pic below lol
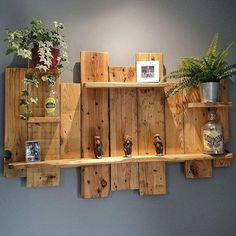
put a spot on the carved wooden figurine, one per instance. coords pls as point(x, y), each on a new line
point(158, 145)
point(98, 147)
point(127, 145)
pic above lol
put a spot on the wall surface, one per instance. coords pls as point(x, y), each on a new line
point(176, 28)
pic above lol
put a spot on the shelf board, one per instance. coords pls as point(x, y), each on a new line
point(209, 104)
point(52, 119)
point(75, 160)
point(123, 85)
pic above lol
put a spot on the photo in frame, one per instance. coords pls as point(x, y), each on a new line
point(148, 71)
point(32, 151)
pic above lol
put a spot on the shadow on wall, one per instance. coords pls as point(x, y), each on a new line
point(76, 73)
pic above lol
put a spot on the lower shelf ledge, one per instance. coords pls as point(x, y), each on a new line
point(76, 161)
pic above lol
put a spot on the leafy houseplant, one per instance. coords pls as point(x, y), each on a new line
point(45, 47)
point(37, 38)
point(211, 68)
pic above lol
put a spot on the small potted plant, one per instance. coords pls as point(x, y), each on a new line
point(205, 72)
point(45, 47)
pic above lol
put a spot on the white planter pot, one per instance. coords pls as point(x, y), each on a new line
point(209, 91)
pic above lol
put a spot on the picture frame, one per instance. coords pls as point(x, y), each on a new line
point(148, 71)
point(32, 151)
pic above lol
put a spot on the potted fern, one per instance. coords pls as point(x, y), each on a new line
point(205, 72)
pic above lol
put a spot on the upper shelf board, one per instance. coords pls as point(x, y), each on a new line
point(124, 85)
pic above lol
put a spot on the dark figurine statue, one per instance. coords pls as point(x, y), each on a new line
point(98, 147)
point(158, 145)
point(127, 145)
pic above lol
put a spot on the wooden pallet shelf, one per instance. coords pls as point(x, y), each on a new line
point(110, 103)
point(209, 105)
point(72, 162)
point(123, 85)
point(55, 119)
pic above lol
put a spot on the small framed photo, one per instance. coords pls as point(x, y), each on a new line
point(148, 71)
point(32, 151)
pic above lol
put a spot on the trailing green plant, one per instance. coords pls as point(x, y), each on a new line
point(36, 34)
point(210, 68)
point(27, 99)
point(49, 79)
point(44, 39)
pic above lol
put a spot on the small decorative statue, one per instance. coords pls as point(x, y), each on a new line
point(158, 145)
point(98, 147)
point(127, 145)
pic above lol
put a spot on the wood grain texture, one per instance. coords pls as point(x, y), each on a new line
point(174, 126)
point(123, 121)
point(143, 56)
point(95, 121)
point(123, 85)
point(221, 163)
point(43, 177)
point(198, 169)
point(15, 128)
point(194, 119)
point(81, 162)
point(152, 178)
point(48, 134)
point(223, 113)
point(42, 92)
point(10, 172)
point(70, 118)
point(151, 121)
point(95, 182)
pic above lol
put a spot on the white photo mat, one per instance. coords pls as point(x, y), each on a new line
point(148, 71)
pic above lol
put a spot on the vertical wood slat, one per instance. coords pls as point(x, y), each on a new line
point(151, 120)
point(123, 121)
point(42, 91)
point(48, 134)
point(43, 177)
point(152, 178)
point(15, 128)
point(174, 128)
point(143, 56)
point(194, 119)
point(94, 67)
point(70, 119)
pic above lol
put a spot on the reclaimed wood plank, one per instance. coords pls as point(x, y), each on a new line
point(174, 127)
point(15, 128)
point(123, 121)
point(97, 178)
point(95, 121)
point(43, 177)
point(194, 119)
point(71, 162)
point(48, 134)
point(152, 178)
point(198, 169)
point(151, 121)
point(124, 85)
point(70, 118)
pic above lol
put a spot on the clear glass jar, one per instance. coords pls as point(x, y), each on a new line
point(51, 102)
point(212, 135)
